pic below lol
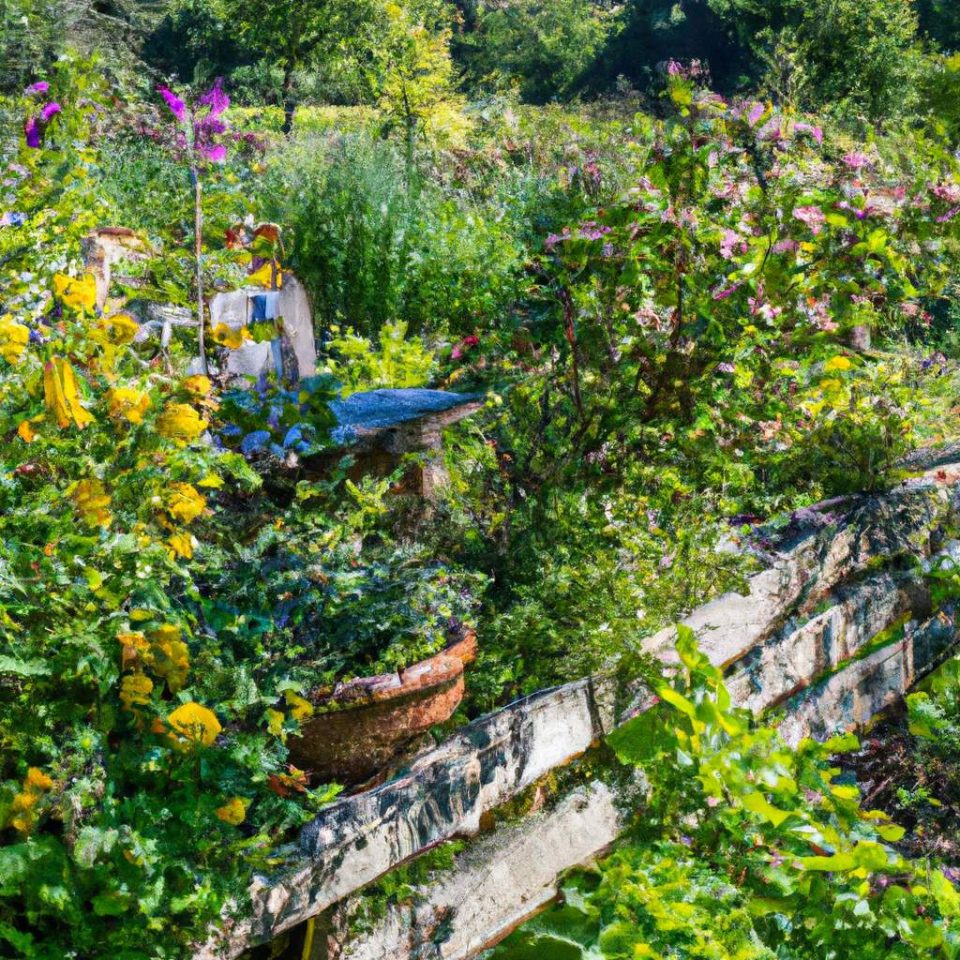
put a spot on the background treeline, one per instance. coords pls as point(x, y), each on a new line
point(862, 61)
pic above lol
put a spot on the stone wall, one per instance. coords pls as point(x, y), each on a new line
point(835, 627)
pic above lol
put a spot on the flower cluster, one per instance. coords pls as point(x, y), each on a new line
point(36, 125)
point(204, 122)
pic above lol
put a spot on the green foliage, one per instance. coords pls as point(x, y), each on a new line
point(375, 249)
point(394, 362)
point(853, 60)
point(744, 848)
point(545, 49)
point(324, 608)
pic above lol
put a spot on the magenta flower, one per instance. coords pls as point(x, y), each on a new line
point(31, 130)
point(215, 98)
point(177, 107)
point(812, 216)
point(49, 112)
point(41, 86)
point(215, 152)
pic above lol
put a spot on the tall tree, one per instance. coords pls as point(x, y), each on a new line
point(295, 34)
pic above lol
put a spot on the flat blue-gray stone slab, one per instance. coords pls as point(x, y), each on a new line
point(374, 410)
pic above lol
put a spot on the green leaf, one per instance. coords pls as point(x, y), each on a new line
point(758, 803)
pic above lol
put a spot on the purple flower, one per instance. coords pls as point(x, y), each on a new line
point(756, 112)
point(726, 368)
point(209, 126)
point(949, 215)
point(591, 230)
point(31, 130)
point(815, 132)
point(215, 98)
point(177, 107)
point(812, 216)
point(41, 86)
point(50, 111)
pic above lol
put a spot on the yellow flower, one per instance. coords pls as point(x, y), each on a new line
point(185, 502)
point(119, 328)
point(196, 723)
point(168, 656)
point(212, 481)
point(264, 276)
point(79, 294)
point(134, 646)
point(181, 423)
point(128, 403)
point(37, 780)
point(234, 811)
point(25, 801)
point(275, 722)
point(93, 502)
point(135, 689)
point(181, 545)
point(838, 363)
point(60, 393)
point(26, 432)
point(300, 709)
point(228, 336)
point(13, 338)
point(198, 385)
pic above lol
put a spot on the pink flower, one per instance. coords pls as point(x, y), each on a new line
point(41, 86)
point(855, 161)
point(727, 292)
point(812, 216)
point(732, 243)
point(947, 191)
point(786, 246)
point(177, 107)
point(815, 132)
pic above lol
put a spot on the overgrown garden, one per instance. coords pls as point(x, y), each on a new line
point(689, 313)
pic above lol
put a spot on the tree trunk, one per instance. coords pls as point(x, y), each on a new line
point(289, 101)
